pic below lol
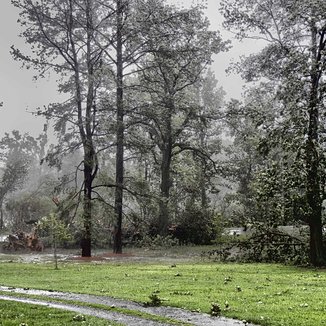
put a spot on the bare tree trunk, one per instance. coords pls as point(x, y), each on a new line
point(164, 214)
point(202, 184)
point(86, 242)
point(54, 247)
point(1, 216)
point(86, 133)
point(314, 198)
point(166, 149)
point(316, 253)
point(117, 242)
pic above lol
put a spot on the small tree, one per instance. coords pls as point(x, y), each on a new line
point(57, 230)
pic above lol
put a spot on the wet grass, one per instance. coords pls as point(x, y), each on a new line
point(265, 294)
point(124, 311)
point(21, 314)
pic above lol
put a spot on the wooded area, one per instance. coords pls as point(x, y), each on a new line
point(147, 145)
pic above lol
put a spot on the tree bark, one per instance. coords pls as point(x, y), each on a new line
point(1, 215)
point(202, 183)
point(166, 151)
point(164, 214)
point(86, 242)
point(316, 253)
point(86, 133)
point(117, 241)
point(314, 198)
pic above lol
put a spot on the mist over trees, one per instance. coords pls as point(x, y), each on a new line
point(147, 145)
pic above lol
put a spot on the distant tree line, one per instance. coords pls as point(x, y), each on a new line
point(147, 145)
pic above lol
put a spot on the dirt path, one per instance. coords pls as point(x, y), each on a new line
point(193, 318)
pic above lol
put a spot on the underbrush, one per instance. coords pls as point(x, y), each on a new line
point(266, 246)
point(156, 242)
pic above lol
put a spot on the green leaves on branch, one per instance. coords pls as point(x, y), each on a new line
point(55, 228)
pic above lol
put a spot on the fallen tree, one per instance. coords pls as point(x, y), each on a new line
point(22, 240)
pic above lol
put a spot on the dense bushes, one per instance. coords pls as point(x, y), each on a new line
point(197, 226)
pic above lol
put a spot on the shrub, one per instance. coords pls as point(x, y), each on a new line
point(197, 226)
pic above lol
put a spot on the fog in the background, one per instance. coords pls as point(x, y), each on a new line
point(21, 95)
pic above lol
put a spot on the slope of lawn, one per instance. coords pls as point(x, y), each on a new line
point(265, 294)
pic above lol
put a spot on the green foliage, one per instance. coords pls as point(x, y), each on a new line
point(57, 230)
point(264, 244)
point(54, 227)
point(13, 176)
point(275, 197)
point(20, 155)
point(294, 134)
point(175, 109)
point(157, 241)
point(22, 145)
point(15, 173)
point(197, 226)
point(171, 48)
point(215, 310)
point(154, 301)
point(274, 246)
point(27, 208)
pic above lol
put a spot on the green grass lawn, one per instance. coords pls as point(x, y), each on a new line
point(265, 294)
point(19, 314)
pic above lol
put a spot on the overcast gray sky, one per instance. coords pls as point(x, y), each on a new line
point(21, 95)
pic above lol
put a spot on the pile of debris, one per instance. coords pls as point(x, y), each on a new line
point(22, 240)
